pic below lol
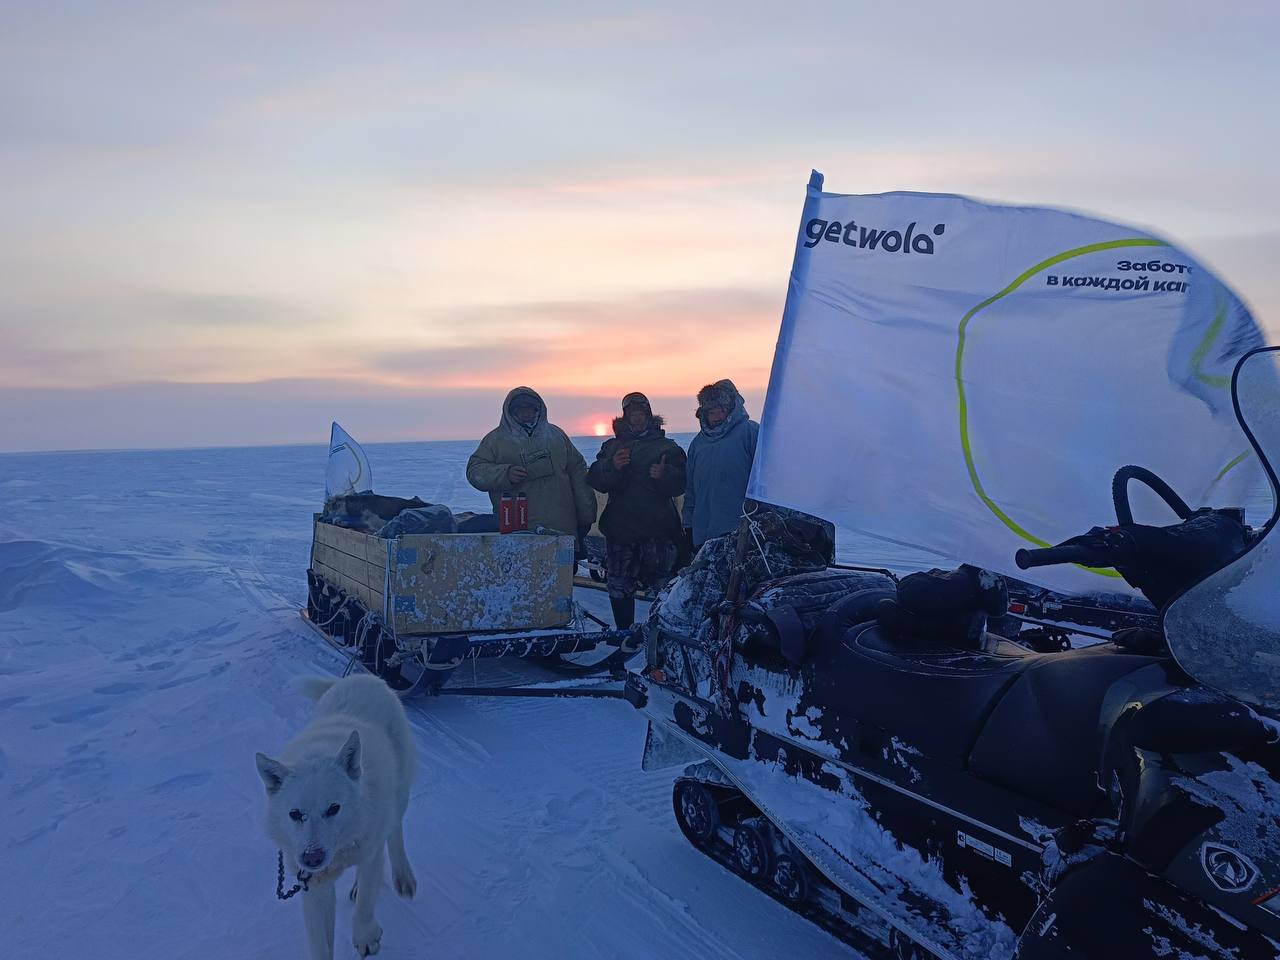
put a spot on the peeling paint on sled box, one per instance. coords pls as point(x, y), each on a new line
point(461, 582)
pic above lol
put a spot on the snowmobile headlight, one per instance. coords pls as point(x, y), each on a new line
point(1270, 901)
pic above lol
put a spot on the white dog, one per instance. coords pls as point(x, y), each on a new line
point(337, 797)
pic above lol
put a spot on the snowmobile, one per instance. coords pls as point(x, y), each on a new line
point(915, 769)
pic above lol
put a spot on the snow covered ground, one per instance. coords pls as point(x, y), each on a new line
point(148, 633)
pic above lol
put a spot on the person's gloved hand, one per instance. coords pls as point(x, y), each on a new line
point(517, 474)
point(621, 458)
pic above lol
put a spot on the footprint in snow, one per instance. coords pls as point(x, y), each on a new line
point(180, 682)
point(114, 688)
point(77, 715)
point(186, 781)
point(584, 808)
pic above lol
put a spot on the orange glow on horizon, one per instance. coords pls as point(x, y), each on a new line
point(600, 429)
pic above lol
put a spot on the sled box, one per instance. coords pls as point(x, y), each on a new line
point(452, 582)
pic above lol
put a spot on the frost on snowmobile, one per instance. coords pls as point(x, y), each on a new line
point(912, 763)
point(411, 591)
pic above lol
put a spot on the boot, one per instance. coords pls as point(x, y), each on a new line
point(624, 611)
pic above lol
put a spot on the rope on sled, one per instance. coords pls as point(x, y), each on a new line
point(754, 527)
point(369, 620)
point(337, 613)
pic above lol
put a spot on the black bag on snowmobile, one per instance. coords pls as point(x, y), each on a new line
point(948, 607)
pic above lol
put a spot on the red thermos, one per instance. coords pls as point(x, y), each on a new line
point(507, 513)
point(522, 511)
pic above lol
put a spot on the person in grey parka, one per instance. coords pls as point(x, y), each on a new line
point(719, 464)
point(526, 454)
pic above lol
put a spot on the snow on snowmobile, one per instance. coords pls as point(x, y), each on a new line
point(892, 760)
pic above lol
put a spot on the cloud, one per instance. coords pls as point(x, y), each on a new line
point(46, 363)
point(659, 312)
point(224, 310)
point(165, 415)
point(664, 340)
point(126, 334)
point(1248, 265)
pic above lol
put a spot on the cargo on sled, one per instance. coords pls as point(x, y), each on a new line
point(411, 590)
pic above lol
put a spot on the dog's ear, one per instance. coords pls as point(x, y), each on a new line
point(272, 772)
point(349, 756)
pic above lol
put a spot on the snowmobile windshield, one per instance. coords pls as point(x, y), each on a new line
point(1225, 630)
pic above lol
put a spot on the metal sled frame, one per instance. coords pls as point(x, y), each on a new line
point(422, 663)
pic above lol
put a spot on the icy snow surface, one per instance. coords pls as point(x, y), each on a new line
point(148, 634)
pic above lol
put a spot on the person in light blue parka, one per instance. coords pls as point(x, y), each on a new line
point(719, 464)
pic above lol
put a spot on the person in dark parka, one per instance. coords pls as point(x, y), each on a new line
point(720, 458)
point(642, 472)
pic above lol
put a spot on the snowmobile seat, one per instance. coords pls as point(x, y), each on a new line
point(934, 697)
point(1043, 738)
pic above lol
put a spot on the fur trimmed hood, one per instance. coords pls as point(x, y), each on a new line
point(721, 393)
point(623, 432)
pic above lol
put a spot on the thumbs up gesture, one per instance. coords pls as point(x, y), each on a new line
point(657, 470)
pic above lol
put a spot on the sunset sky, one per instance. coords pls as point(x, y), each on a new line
point(228, 224)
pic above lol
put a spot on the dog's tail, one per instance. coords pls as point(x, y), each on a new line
point(314, 687)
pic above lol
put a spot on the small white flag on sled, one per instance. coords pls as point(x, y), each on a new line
point(348, 470)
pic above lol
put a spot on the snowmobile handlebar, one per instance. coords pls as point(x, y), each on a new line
point(1120, 493)
point(1089, 556)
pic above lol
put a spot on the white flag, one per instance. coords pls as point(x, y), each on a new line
point(966, 378)
point(348, 469)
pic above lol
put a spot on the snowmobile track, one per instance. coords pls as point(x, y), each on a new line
point(721, 851)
